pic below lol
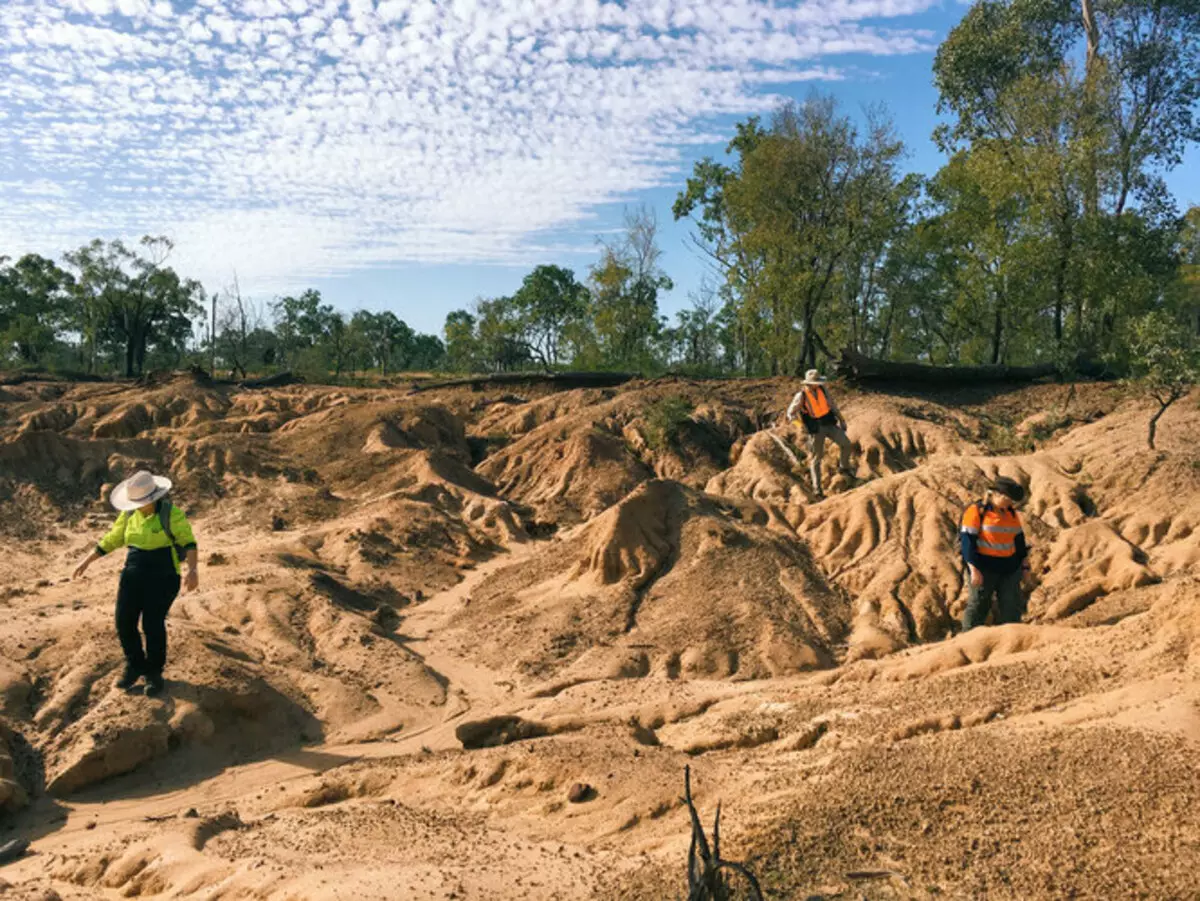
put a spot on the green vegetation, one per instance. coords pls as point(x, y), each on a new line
point(1166, 363)
point(1048, 236)
point(665, 419)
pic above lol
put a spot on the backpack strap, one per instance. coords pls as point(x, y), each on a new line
point(164, 519)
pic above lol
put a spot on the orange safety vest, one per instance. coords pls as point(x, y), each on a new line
point(997, 529)
point(815, 403)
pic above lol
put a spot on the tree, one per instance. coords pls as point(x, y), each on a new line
point(501, 340)
point(387, 339)
point(337, 338)
point(549, 300)
point(427, 353)
point(625, 285)
point(133, 300)
point(1166, 361)
point(1083, 147)
point(299, 323)
point(242, 340)
point(34, 306)
point(461, 344)
point(697, 334)
point(805, 202)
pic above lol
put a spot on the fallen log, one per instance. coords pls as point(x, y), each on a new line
point(856, 367)
point(563, 380)
point(279, 380)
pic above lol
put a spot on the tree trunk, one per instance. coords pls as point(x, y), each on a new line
point(1153, 430)
point(997, 333)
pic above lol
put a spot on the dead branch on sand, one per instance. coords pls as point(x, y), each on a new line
point(706, 881)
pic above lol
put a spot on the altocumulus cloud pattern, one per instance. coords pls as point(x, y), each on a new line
point(300, 138)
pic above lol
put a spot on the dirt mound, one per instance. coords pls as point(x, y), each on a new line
point(649, 588)
point(566, 475)
point(473, 638)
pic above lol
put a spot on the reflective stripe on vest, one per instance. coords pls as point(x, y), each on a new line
point(815, 403)
point(997, 530)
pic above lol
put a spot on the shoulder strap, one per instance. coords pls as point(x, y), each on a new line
point(164, 518)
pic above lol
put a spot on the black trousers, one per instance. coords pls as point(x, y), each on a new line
point(145, 595)
point(1006, 588)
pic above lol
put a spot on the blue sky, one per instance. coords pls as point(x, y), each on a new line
point(411, 154)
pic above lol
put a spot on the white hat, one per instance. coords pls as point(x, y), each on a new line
point(138, 490)
point(813, 377)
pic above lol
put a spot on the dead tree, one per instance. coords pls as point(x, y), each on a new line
point(707, 879)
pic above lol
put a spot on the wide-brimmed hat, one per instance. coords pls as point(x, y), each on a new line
point(139, 489)
point(813, 377)
point(1010, 489)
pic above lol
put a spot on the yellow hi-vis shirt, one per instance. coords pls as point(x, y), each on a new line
point(132, 529)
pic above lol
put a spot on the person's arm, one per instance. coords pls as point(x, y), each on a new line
point(114, 540)
point(86, 562)
point(833, 408)
point(186, 541)
point(969, 542)
point(791, 410)
point(1022, 549)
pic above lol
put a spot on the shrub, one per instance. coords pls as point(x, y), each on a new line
point(664, 420)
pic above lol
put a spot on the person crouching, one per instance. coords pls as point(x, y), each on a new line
point(157, 535)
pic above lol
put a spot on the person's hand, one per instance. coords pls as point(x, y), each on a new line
point(842, 424)
point(191, 581)
point(976, 576)
point(81, 569)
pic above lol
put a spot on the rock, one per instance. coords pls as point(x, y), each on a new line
point(93, 761)
point(496, 731)
point(12, 796)
point(13, 850)
point(580, 792)
point(278, 524)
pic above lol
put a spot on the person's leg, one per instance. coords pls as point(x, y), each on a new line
point(816, 453)
point(154, 621)
point(842, 440)
point(1010, 604)
point(979, 603)
point(129, 610)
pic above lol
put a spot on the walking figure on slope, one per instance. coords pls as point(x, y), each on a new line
point(822, 421)
point(994, 550)
point(157, 533)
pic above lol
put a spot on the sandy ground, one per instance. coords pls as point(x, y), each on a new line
point(462, 644)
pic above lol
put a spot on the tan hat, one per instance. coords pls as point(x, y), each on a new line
point(139, 489)
point(813, 377)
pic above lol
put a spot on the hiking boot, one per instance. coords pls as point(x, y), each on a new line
point(128, 679)
point(155, 686)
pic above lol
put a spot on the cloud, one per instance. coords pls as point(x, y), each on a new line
point(291, 139)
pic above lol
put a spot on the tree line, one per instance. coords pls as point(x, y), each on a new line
point(1049, 236)
point(109, 308)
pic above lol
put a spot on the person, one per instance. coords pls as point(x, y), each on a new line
point(822, 421)
point(995, 553)
point(150, 581)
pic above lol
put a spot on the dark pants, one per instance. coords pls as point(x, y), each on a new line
point(1006, 588)
point(145, 595)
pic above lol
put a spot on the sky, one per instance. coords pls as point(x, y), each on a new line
point(412, 155)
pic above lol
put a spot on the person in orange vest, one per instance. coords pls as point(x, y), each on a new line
point(994, 550)
point(822, 421)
